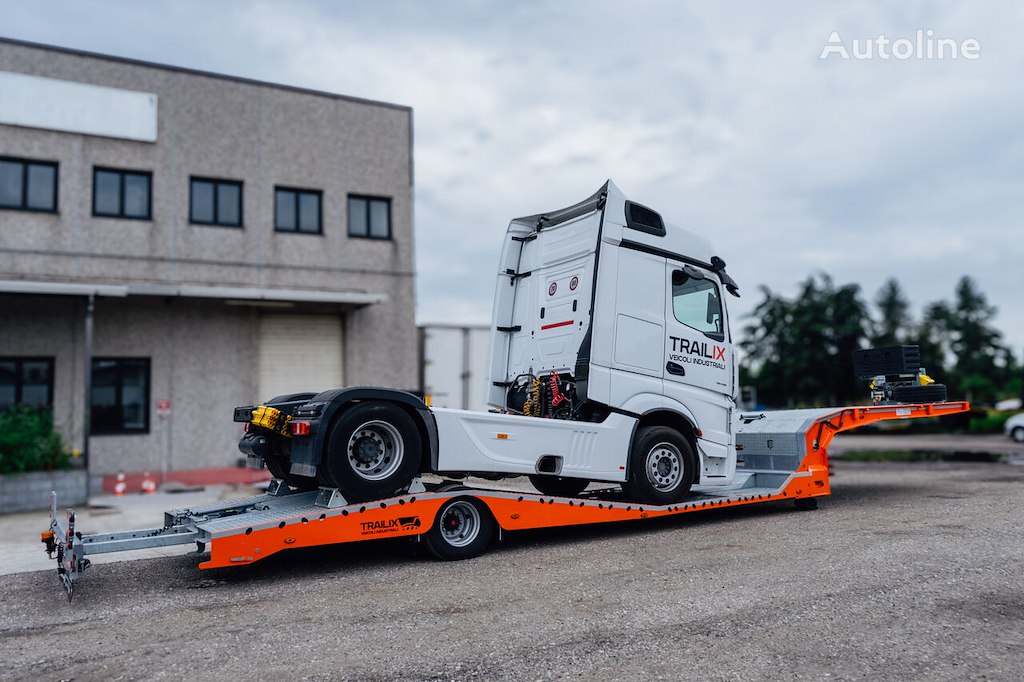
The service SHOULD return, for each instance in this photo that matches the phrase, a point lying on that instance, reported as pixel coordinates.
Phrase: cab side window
(696, 302)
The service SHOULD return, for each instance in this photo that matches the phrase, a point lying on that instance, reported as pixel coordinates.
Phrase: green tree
(894, 325)
(799, 350)
(932, 339)
(983, 369)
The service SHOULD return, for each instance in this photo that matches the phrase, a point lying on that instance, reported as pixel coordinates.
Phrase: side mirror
(714, 310)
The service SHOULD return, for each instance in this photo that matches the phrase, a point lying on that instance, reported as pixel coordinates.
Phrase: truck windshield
(697, 304)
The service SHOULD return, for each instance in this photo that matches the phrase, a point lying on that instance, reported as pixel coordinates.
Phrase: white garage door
(299, 353)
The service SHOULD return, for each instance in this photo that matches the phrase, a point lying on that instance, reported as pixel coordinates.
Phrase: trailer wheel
(558, 486)
(462, 529)
(933, 393)
(373, 451)
(661, 466)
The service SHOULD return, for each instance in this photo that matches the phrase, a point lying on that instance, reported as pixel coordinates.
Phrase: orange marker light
(502, 436)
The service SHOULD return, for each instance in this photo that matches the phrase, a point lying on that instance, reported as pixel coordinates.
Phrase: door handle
(676, 369)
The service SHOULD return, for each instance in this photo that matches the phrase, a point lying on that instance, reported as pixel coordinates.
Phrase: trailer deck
(783, 456)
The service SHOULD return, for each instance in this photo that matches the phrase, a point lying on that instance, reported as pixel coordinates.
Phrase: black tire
(932, 393)
(373, 451)
(1017, 434)
(558, 486)
(462, 529)
(277, 467)
(806, 503)
(280, 467)
(661, 466)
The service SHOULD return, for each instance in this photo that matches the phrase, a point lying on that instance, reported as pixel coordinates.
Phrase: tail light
(300, 428)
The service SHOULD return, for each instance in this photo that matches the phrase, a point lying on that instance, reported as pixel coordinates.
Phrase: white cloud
(720, 116)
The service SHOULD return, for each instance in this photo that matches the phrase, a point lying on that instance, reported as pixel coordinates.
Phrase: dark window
(697, 303)
(26, 381)
(215, 202)
(297, 210)
(120, 395)
(28, 185)
(369, 217)
(121, 194)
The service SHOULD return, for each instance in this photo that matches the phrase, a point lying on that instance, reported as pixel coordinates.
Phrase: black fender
(672, 419)
(321, 410)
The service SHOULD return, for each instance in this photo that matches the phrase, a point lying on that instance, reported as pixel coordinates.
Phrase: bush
(984, 420)
(28, 441)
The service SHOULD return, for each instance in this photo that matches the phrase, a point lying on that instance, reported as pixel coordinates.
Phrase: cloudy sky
(720, 115)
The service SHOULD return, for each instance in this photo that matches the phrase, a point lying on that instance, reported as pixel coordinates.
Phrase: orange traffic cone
(120, 486)
(148, 484)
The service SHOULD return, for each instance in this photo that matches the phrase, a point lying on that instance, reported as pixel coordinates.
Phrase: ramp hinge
(510, 330)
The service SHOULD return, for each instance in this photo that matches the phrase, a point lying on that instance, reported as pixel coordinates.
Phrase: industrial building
(174, 243)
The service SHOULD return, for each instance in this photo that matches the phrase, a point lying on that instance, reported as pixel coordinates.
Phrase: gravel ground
(909, 571)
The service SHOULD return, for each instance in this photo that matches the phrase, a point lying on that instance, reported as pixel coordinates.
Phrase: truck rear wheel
(462, 529)
(373, 451)
(661, 466)
(558, 486)
(280, 467)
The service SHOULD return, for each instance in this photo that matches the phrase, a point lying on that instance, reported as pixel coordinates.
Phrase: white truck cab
(629, 313)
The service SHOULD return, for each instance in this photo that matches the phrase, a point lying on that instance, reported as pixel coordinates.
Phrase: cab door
(698, 363)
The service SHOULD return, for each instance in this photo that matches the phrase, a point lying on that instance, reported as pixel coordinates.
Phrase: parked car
(1015, 427)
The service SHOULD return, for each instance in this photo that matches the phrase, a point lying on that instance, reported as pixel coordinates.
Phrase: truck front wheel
(661, 466)
(373, 451)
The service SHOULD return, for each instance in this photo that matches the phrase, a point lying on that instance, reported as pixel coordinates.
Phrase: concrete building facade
(186, 242)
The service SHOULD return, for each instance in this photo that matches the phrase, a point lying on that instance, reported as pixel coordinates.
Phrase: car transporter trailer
(784, 456)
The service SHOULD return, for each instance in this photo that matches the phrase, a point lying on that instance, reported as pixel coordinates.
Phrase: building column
(90, 309)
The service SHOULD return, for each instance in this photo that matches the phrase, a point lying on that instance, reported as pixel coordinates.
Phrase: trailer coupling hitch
(61, 540)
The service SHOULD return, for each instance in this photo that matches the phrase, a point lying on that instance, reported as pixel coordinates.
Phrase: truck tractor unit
(611, 360)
